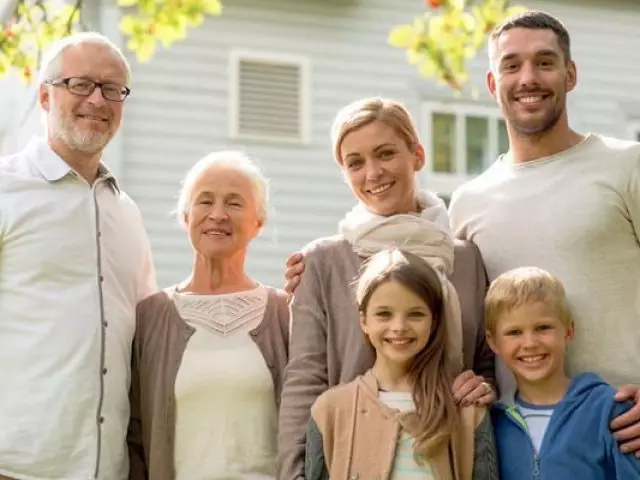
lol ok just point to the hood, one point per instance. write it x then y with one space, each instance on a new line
580 386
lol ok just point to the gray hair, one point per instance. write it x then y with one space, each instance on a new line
51 66
235 160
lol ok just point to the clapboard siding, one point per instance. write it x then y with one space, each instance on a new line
180 107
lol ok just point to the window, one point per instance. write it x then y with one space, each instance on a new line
461 141
269 97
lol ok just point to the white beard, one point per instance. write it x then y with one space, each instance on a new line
85 141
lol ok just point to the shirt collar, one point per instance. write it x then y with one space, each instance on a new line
54 168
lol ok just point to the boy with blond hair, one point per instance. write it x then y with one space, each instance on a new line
552 426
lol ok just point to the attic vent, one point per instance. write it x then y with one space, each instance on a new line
269 100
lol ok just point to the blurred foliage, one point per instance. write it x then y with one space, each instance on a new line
442 40
35 24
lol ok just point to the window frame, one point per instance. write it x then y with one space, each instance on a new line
447 182
236 56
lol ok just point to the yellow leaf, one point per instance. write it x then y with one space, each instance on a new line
165 35
427 68
194 19
413 57
212 7
401 36
456 4
436 25
145 50
148 7
128 25
133 44
468 21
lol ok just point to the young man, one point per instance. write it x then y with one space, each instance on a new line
562 201
559 200
551 425
74 261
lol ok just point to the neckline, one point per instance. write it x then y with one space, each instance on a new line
531 406
505 159
171 293
175 291
193 296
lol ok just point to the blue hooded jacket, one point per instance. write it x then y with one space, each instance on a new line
578 443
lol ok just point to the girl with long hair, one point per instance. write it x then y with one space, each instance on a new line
400 419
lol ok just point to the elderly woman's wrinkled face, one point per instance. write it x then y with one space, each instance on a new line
223 216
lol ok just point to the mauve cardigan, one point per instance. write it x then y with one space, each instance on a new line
160 340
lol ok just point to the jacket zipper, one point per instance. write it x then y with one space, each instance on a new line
516 418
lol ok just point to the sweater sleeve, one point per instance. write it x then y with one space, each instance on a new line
315 467
621 466
306 375
485 458
484 358
137 464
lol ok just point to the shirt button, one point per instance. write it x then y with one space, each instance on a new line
253 333
101 419
101 278
105 324
104 371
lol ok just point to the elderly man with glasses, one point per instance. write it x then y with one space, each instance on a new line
74 262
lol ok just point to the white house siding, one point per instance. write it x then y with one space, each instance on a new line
179 109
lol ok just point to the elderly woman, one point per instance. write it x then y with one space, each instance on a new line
209 353
378 150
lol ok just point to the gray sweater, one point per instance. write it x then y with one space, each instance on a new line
328 348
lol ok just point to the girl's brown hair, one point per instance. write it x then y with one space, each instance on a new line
363 112
435 414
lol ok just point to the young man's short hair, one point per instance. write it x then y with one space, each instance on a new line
525 286
535 20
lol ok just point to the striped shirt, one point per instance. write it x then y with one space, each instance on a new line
405 466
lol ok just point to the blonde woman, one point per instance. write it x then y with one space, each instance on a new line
399 419
377 148
209 353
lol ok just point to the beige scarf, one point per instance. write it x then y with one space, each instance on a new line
425 234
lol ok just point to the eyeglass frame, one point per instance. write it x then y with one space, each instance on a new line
65 81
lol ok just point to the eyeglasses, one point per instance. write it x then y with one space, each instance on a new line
85 87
